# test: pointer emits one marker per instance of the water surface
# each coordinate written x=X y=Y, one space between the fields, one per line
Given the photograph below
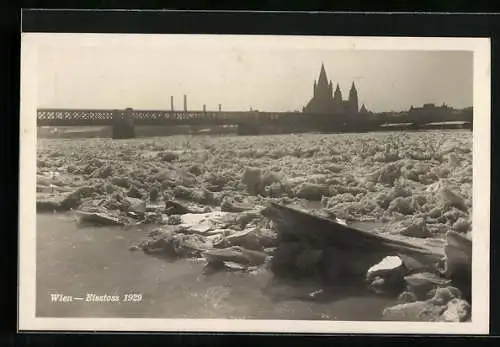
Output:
x=73 y=260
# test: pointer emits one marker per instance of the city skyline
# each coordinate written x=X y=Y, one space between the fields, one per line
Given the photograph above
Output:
x=77 y=74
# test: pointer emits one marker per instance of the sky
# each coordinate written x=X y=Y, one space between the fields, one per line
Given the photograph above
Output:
x=239 y=76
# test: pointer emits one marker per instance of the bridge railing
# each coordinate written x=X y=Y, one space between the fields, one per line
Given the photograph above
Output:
x=62 y=117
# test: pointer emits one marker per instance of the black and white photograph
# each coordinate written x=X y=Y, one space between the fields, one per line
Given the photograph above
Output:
x=254 y=183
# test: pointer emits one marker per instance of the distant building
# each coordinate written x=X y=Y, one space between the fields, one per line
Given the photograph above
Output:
x=443 y=113
x=430 y=111
x=326 y=101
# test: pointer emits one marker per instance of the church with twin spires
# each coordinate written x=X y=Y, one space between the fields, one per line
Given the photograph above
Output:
x=326 y=101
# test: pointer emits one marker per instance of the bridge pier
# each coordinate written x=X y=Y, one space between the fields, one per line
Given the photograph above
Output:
x=250 y=126
x=248 y=129
x=123 y=124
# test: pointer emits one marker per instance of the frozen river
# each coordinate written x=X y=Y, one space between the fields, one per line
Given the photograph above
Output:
x=75 y=261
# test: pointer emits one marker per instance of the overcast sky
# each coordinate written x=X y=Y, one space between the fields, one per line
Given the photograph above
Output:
x=239 y=76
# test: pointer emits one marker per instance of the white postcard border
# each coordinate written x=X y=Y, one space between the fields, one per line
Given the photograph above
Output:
x=31 y=42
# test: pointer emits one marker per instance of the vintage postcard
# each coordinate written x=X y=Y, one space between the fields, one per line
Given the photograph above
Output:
x=254 y=183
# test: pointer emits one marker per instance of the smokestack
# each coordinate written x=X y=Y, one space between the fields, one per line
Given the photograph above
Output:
x=185 y=103
x=220 y=107
x=171 y=103
x=204 y=108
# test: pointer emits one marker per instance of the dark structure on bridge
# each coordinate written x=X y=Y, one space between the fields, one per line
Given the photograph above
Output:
x=123 y=124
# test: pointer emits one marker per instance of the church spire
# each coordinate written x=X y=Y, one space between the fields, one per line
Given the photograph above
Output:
x=338 y=94
x=322 y=80
x=353 y=90
x=353 y=99
x=337 y=100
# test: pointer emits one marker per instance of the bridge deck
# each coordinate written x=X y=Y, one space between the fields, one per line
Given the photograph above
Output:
x=91 y=117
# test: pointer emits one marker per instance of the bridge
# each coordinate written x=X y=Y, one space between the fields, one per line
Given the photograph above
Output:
x=248 y=122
